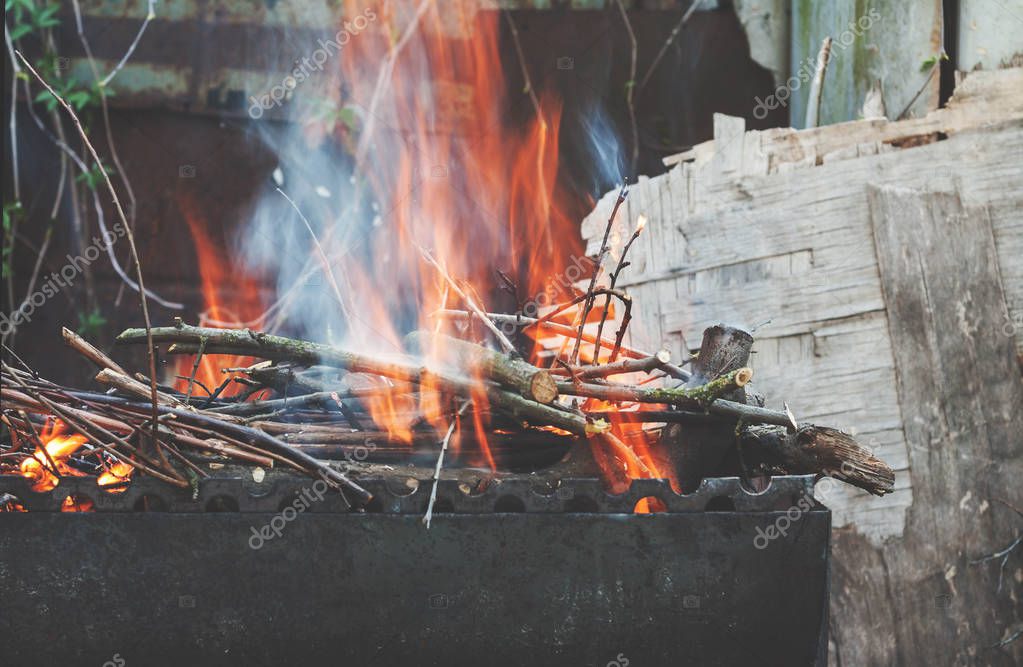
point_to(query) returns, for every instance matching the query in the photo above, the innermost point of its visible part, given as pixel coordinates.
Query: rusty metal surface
(211, 57)
(394, 495)
(380, 590)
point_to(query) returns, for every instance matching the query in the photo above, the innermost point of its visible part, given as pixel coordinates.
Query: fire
(218, 272)
(59, 447)
(118, 473)
(456, 157)
(453, 174)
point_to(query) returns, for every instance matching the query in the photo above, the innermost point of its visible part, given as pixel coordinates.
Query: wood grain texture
(788, 236)
(961, 395)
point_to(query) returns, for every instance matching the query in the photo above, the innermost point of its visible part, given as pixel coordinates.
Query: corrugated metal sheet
(213, 57)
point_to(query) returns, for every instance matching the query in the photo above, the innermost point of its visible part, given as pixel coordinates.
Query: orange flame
(453, 175)
(217, 273)
(459, 162)
(118, 473)
(59, 447)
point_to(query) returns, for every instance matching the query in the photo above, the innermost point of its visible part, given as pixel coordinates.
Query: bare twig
(195, 368)
(556, 327)
(440, 462)
(630, 85)
(131, 242)
(131, 48)
(104, 108)
(89, 351)
(322, 256)
(813, 109)
(13, 123)
(640, 223)
(927, 82)
(619, 367)
(469, 303)
(622, 194)
(667, 44)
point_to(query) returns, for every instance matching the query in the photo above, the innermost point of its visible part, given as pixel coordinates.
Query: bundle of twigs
(317, 400)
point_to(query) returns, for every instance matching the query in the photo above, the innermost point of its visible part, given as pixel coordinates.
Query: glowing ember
(59, 447)
(76, 504)
(116, 476)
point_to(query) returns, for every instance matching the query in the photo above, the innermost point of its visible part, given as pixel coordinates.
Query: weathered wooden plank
(961, 394)
(982, 98)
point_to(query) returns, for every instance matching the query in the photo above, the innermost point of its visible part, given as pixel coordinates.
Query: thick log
(723, 350)
(475, 360)
(816, 450)
(696, 451)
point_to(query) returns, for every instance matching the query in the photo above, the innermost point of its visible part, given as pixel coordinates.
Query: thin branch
(440, 462)
(667, 44)
(813, 109)
(15, 71)
(385, 74)
(131, 48)
(105, 112)
(195, 368)
(322, 256)
(640, 223)
(622, 194)
(469, 303)
(630, 85)
(70, 152)
(131, 242)
(927, 82)
(522, 65)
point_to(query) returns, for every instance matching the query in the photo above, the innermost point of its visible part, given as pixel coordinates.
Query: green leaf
(79, 99)
(19, 31)
(90, 324)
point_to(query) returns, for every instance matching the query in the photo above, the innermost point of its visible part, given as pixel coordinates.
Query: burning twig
(607, 302)
(604, 248)
(88, 426)
(469, 303)
(532, 382)
(440, 462)
(40, 444)
(554, 327)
